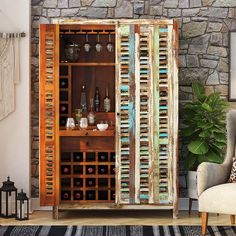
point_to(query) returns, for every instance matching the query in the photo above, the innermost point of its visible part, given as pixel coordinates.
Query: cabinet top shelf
(87, 63)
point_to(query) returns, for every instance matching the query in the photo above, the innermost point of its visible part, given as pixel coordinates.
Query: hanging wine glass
(87, 45)
(110, 47)
(98, 45)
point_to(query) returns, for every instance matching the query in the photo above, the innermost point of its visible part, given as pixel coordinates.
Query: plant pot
(192, 184)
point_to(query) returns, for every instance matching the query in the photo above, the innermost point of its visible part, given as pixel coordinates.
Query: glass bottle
(83, 102)
(107, 102)
(91, 115)
(97, 100)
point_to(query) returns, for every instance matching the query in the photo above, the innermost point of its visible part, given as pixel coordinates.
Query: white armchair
(215, 194)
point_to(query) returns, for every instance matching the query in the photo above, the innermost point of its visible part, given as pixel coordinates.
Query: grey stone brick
(53, 12)
(194, 29)
(124, 10)
(195, 3)
(183, 3)
(50, 4)
(192, 61)
(104, 3)
(219, 51)
(213, 79)
(207, 63)
(224, 3)
(215, 12)
(62, 3)
(74, 3)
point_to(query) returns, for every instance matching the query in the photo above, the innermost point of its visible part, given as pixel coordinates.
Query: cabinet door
(49, 121)
(145, 109)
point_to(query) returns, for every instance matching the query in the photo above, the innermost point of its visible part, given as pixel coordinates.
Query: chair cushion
(232, 178)
(219, 199)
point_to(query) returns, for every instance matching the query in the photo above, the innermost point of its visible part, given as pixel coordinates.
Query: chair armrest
(211, 174)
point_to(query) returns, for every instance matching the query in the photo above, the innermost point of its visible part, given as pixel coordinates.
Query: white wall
(15, 129)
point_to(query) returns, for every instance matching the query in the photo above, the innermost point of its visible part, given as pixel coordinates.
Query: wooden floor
(91, 217)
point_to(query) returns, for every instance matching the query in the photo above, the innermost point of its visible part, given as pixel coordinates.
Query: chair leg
(204, 222)
(232, 219)
(190, 206)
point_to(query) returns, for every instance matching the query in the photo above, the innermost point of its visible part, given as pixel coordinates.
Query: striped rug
(114, 230)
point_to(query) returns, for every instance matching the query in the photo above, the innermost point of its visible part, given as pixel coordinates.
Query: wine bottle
(78, 195)
(83, 102)
(97, 100)
(102, 169)
(65, 170)
(63, 109)
(78, 182)
(65, 195)
(90, 182)
(90, 195)
(103, 156)
(107, 102)
(90, 170)
(78, 156)
(91, 115)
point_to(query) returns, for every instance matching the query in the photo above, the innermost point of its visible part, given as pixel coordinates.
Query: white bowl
(102, 127)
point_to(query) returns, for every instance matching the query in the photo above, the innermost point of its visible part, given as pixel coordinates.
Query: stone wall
(204, 27)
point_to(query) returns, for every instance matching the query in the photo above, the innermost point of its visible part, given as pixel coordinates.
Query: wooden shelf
(87, 63)
(86, 132)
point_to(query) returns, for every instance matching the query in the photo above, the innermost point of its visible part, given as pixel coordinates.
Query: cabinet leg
(55, 212)
(232, 219)
(175, 214)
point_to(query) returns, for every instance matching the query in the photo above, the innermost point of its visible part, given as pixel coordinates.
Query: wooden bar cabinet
(134, 163)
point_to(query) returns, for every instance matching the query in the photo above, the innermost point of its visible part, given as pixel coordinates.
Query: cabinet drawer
(87, 143)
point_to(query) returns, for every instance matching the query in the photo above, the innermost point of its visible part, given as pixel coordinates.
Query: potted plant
(204, 132)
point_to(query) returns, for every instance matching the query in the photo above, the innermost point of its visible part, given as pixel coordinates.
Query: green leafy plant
(204, 129)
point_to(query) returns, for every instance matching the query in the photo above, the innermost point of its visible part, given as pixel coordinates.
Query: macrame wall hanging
(9, 71)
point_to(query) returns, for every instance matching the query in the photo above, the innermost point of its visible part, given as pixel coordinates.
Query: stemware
(110, 47)
(87, 45)
(98, 45)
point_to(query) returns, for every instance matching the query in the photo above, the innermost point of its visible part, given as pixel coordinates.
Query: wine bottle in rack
(78, 195)
(63, 83)
(90, 170)
(102, 170)
(90, 195)
(90, 182)
(64, 108)
(78, 182)
(102, 156)
(107, 102)
(65, 170)
(65, 195)
(78, 156)
(97, 100)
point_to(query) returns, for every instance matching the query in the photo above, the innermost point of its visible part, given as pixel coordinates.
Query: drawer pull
(87, 143)
(86, 133)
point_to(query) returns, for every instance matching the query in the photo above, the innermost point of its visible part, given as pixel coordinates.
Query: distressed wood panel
(123, 123)
(164, 121)
(49, 122)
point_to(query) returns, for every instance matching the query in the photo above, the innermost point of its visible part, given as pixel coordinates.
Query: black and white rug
(114, 230)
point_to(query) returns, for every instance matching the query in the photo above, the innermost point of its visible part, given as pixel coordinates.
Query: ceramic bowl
(102, 127)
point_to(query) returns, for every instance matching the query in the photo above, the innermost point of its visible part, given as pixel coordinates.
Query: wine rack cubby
(87, 176)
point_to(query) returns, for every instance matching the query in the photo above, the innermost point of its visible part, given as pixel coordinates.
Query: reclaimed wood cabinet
(133, 164)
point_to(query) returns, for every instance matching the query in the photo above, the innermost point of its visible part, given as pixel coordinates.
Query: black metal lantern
(8, 193)
(22, 207)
